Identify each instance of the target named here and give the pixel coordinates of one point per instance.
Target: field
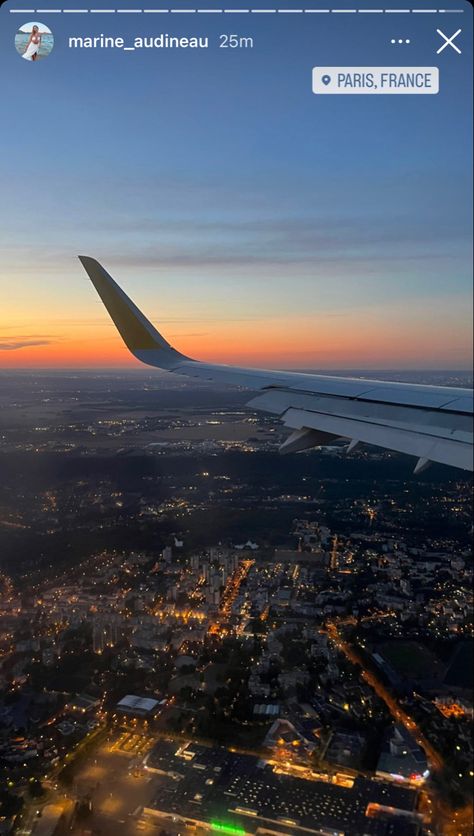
(460, 673)
(411, 660)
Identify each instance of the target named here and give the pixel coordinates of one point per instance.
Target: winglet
(137, 332)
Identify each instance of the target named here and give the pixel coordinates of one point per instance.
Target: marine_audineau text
(163, 41)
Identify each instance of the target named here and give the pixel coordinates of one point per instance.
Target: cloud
(14, 345)
(369, 241)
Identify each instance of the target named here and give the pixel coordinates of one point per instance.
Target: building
(301, 732)
(106, 632)
(401, 757)
(83, 704)
(168, 554)
(135, 709)
(231, 793)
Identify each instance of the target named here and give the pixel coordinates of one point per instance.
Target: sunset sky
(252, 221)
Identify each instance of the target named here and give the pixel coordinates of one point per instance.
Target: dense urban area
(198, 635)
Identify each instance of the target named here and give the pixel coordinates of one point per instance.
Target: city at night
(197, 633)
(236, 418)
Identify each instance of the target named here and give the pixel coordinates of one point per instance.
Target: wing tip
(90, 263)
(139, 335)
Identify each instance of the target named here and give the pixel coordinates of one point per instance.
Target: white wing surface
(433, 423)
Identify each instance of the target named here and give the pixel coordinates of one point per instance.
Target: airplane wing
(433, 423)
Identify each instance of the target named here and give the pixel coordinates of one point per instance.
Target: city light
(221, 636)
(232, 830)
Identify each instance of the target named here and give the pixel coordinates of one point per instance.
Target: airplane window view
(236, 418)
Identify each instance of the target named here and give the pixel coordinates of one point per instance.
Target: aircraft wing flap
(433, 421)
(425, 433)
(463, 404)
(443, 450)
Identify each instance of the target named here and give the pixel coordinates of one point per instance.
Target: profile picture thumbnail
(34, 41)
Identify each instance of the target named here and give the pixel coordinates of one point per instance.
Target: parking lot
(117, 788)
(134, 744)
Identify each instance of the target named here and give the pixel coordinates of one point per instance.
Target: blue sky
(217, 187)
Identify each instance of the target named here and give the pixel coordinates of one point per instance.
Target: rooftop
(137, 705)
(216, 785)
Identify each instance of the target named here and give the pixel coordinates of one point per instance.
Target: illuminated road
(230, 593)
(454, 823)
(395, 709)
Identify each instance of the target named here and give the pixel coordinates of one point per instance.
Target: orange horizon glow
(274, 343)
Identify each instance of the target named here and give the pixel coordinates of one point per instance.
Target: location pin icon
(326, 79)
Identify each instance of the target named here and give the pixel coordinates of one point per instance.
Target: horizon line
(152, 370)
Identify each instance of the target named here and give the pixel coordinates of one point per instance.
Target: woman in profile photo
(33, 45)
